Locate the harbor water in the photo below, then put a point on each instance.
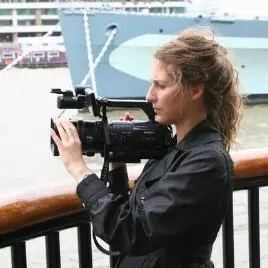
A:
(27, 163)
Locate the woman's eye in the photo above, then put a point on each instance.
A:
(160, 85)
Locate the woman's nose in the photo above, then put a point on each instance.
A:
(149, 96)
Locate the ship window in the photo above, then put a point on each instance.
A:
(26, 22)
(48, 11)
(8, 55)
(26, 11)
(131, 9)
(49, 22)
(156, 10)
(25, 55)
(27, 34)
(5, 22)
(177, 10)
(5, 12)
(53, 54)
(39, 54)
(6, 37)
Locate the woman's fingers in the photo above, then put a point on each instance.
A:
(73, 131)
(127, 117)
(56, 139)
(62, 132)
(68, 130)
(67, 133)
(131, 117)
(69, 146)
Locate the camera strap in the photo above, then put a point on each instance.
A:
(104, 178)
(105, 167)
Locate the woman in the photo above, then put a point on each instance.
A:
(172, 216)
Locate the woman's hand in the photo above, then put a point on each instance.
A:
(127, 117)
(69, 146)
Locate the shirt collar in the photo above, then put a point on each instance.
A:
(204, 132)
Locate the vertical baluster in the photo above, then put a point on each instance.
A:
(84, 245)
(254, 228)
(228, 238)
(53, 250)
(113, 259)
(18, 255)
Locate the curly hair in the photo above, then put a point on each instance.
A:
(195, 58)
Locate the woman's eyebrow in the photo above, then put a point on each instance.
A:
(158, 81)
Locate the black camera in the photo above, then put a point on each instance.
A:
(117, 141)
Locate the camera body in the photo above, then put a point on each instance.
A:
(117, 141)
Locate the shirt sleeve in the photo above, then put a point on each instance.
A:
(90, 189)
(178, 204)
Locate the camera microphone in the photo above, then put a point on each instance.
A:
(69, 102)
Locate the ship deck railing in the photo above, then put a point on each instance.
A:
(47, 212)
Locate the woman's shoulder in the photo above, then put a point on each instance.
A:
(211, 154)
(214, 148)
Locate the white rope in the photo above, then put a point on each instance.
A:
(92, 65)
(98, 59)
(89, 52)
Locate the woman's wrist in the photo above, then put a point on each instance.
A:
(79, 171)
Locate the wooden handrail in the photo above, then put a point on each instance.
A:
(36, 206)
(39, 205)
(250, 163)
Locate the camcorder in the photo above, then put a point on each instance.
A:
(117, 141)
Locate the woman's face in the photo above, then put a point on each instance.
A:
(168, 100)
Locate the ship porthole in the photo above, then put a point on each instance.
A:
(110, 28)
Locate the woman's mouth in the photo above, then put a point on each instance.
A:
(156, 110)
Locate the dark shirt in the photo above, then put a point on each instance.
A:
(176, 208)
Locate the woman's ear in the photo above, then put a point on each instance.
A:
(197, 92)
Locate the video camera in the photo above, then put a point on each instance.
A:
(117, 141)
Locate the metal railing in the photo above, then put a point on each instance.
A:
(57, 209)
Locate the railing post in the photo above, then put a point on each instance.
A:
(53, 250)
(84, 245)
(113, 260)
(18, 255)
(254, 228)
(228, 238)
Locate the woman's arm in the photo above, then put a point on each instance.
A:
(181, 202)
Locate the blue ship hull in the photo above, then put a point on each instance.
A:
(124, 70)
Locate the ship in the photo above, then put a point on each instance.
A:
(124, 68)
(30, 30)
